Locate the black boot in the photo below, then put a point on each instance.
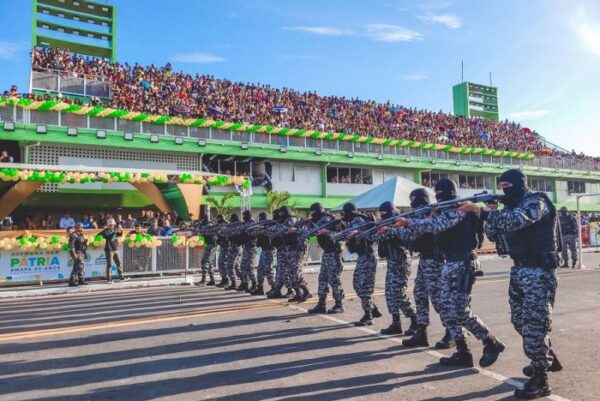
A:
(565, 264)
(232, 285)
(242, 287)
(419, 339)
(574, 263)
(224, 282)
(305, 294)
(536, 387)
(72, 284)
(81, 282)
(412, 330)
(492, 347)
(320, 307)
(212, 280)
(290, 293)
(275, 293)
(462, 356)
(252, 288)
(258, 291)
(366, 320)
(296, 297)
(202, 280)
(337, 308)
(556, 366)
(376, 312)
(395, 327)
(446, 341)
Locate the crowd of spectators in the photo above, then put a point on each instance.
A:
(160, 90)
(5, 157)
(155, 223)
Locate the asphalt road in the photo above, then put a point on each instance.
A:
(190, 343)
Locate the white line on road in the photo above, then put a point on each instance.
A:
(437, 355)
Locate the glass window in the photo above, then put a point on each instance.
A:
(149, 128)
(332, 175)
(361, 147)
(43, 117)
(240, 136)
(107, 123)
(426, 179)
(313, 143)
(210, 164)
(356, 176)
(345, 146)
(314, 174)
(259, 137)
(388, 150)
(344, 175)
(462, 181)
(226, 167)
(73, 120)
(367, 176)
(330, 144)
(299, 142)
(177, 130)
(221, 134)
(300, 173)
(6, 113)
(242, 168)
(286, 172)
(197, 132)
(128, 126)
(279, 140)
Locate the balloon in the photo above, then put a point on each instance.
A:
(138, 237)
(54, 239)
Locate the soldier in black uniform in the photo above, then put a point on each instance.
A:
(529, 224)
(247, 267)
(234, 251)
(569, 228)
(223, 244)
(331, 262)
(77, 251)
(265, 261)
(210, 250)
(281, 270)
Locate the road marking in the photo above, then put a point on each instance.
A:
(436, 354)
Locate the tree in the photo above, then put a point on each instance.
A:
(221, 206)
(276, 199)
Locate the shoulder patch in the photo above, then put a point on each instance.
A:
(450, 213)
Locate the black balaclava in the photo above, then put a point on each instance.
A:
(316, 211)
(204, 217)
(247, 215)
(563, 211)
(284, 213)
(221, 219)
(349, 211)
(515, 193)
(445, 190)
(235, 217)
(418, 198)
(262, 216)
(387, 210)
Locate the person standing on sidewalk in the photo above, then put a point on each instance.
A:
(111, 235)
(77, 251)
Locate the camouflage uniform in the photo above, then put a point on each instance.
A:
(532, 289)
(397, 274)
(331, 263)
(570, 237)
(363, 279)
(248, 269)
(265, 267)
(223, 254)
(206, 264)
(233, 261)
(455, 301)
(77, 248)
(427, 287)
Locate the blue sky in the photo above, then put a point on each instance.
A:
(544, 55)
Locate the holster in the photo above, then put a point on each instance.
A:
(467, 279)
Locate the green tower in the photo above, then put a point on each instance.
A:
(475, 100)
(82, 26)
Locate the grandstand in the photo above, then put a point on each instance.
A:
(319, 148)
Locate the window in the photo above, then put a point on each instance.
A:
(226, 167)
(430, 179)
(473, 182)
(576, 187)
(350, 175)
(539, 184)
(332, 175)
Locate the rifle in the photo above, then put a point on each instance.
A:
(231, 228)
(343, 235)
(258, 226)
(283, 230)
(310, 233)
(482, 197)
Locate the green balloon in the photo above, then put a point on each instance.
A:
(22, 241)
(32, 239)
(174, 239)
(54, 239)
(65, 247)
(138, 237)
(98, 238)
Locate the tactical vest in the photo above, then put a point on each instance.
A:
(538, 239)
(427, 246)
(460, 239)
(568, 225)
(362, 246)
(263, 242)
(326, 243)
(247, 239)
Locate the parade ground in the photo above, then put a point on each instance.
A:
(190, 343)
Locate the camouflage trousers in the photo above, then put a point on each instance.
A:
(569, 243)
(363, 280)
(247, 267)
(396, 285)
(265, 267)
(78, 269)
(531, 297)
(455, 304)
(427, 287)
(330, 275)
(222, 261)
(233, 262)
(293, 267)
(206, 263)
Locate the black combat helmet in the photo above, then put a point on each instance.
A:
(235, 217)
(285, 212)
(221, 219)
(262, 216)
(387, 209)
(518, 189)
(418, 198)
(316, 211)
(247, 215)
(563, 210)
(445, 190)
(349, 210)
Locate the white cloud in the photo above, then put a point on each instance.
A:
(587, 32)
(391, 33)
(10, 50)
(197, 58)
(527, 115)
(320, 30)
(417, 76)
(450, 20)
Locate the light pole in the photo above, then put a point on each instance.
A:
(577, 197)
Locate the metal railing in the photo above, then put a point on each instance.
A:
(17, 114)
(79, 85)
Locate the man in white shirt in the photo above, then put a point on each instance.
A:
(66, 221)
